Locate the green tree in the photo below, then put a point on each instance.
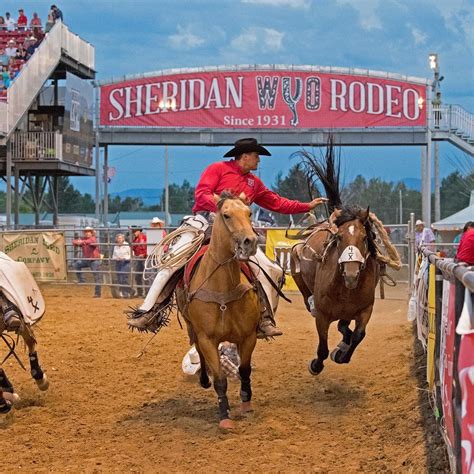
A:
(181, 198)
(455, 192)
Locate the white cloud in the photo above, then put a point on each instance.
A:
(419, 36)
(281, 3)
(184, 39)
(259, 39)
(367, 10)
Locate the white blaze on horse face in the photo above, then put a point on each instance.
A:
(351, 229)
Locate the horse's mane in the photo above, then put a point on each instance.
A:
(325, 169)
(226, 194)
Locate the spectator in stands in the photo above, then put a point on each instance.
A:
(140, 253)
(423, 235)
(20, 53)
(49, 22)
(57, 13)
(6, 77)
(465, 253)
(31, 48)
(90, 258)
(4, 58)
(3, 26)
(10, 22)
(10, 51)
(121, 255)
(35, 23)
(22, 21)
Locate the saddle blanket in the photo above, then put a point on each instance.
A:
(19, 287)
(194, 262)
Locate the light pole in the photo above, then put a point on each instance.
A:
(167, 197)
(165, 106)
(436, 108)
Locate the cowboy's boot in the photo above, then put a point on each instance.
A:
(11, 319)
(266, 326)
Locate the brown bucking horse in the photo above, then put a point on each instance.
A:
(335, 267)
(220, 303)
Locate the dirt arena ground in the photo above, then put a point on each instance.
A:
(108, 411)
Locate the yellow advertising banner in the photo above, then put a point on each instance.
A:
(44, 253)
(278, 248)
(430, 367)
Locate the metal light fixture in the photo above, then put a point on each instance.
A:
(433, 59)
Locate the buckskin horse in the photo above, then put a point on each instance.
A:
(21, 306)
(219, 302)
(337, 266)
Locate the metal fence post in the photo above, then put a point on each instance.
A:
(411, 251)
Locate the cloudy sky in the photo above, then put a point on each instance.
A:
(138, 36)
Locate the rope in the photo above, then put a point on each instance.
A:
(392, 259)
(162, 256)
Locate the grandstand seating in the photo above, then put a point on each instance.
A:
(16, 64)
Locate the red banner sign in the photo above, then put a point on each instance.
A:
(263, 100)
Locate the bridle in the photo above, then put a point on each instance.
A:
(352, 253)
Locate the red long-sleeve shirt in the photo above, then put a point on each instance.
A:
(227, 175)
(465, 251)
(139, 245)
(89, 246)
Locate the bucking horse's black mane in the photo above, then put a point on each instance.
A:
(325, 169)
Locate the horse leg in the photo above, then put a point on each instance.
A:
(358, 335)
(343, 346)
(203, 376)
(36, 371)
(245, 369)
(7, 391)
(317, 365)
(5, 405)
(211, 354)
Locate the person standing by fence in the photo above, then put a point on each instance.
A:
(140, 253)
(90, 258)
(122, 255)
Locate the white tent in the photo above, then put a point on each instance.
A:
(456, 221)
(452, 225)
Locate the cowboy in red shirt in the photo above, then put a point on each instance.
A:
(236, 176)
(90, 258)
(139, 249)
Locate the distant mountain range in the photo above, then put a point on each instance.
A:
(149, 196)
(152, 196)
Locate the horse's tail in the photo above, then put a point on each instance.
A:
(325, 169)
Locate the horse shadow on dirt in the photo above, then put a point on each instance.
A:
(198, 416)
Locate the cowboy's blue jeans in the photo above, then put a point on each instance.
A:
(94, 265)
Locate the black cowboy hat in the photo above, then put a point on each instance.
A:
(133, 228)
(247, 145)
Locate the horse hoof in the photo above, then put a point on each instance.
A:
(43, 384)
(227, 424)
(336, 355)
(246, 407)
(314, 368)
(5, 407)
(205, 384)
(11, 397)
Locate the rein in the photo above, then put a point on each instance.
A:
(11, 348)
(210, 296)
